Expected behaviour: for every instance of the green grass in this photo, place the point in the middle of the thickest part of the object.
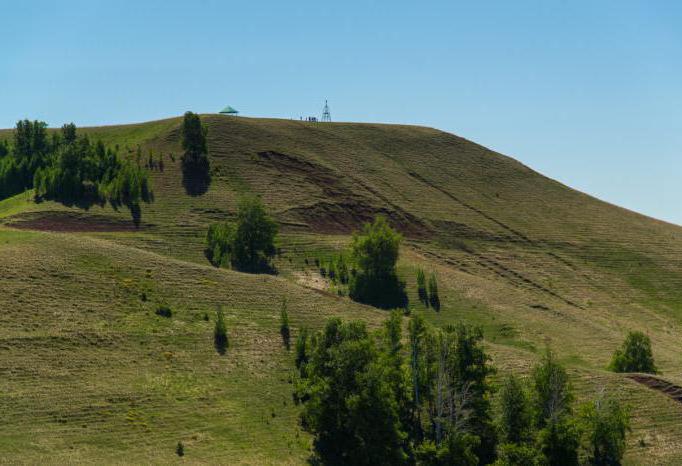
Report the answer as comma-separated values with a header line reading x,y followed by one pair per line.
x,y
91,374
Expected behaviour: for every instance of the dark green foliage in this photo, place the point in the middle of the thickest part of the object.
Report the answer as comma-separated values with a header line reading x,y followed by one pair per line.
x,y
180,449
342,270
470,370
558,442
248,244
302,350
164,311
30,152
220,333
606,423
635,355
369,400
350,408
4,148
195,165
70,169
69,133
375,253
457,449
284,325
421,287
552,391
434,298
515,415
512,454
218,243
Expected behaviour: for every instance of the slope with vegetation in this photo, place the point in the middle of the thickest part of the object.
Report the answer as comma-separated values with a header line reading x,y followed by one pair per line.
x,y
92,374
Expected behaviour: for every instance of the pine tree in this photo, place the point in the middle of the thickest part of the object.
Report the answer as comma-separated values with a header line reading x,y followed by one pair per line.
x,y
220,332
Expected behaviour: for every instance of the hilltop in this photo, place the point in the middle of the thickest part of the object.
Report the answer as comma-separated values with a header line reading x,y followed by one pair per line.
x,y
91,374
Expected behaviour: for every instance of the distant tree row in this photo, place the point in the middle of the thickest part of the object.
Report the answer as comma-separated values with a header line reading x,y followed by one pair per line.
x,y
375,399
69,168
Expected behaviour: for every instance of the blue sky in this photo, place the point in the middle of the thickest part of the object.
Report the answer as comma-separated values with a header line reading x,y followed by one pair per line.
x,y
586,92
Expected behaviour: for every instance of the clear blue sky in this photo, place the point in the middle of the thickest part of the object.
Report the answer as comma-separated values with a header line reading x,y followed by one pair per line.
x,y
586,92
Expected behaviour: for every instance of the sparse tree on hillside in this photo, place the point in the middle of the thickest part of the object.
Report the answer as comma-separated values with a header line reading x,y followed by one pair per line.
x,y
195,163
284,325
421,287
635,355
220,332
375,253
434,297
302,350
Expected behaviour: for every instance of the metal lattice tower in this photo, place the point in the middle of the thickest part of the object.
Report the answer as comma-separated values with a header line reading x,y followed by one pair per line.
x,y
326,116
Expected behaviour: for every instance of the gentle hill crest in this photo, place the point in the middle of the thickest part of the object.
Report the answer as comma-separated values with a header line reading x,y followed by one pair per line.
x,y
532,261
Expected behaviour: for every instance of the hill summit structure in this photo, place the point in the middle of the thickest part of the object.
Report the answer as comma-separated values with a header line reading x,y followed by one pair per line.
x,y
229,111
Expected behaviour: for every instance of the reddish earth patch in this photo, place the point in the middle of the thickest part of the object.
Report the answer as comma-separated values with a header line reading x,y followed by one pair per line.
x,y
71,222
349,202
660,385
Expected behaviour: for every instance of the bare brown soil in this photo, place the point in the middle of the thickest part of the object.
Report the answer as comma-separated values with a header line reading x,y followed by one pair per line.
x,y
346,208
655,383
72,222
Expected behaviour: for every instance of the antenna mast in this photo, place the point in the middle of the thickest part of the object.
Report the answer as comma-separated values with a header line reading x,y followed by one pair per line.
x,y
326,116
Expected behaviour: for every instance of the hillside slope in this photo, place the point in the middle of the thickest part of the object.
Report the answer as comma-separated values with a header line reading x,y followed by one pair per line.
x,y
532,261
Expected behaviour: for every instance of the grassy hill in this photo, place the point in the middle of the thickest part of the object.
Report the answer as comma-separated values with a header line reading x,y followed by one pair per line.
x,y
91,374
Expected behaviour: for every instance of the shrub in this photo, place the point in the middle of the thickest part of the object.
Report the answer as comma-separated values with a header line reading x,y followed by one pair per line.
x,y
375,253
302,350
342,270
220,332
635,355
434,298
284,325
421,287
180,449
218,243
164,311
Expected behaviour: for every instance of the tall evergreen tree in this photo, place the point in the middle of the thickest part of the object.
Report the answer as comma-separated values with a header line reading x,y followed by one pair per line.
x,y
195,163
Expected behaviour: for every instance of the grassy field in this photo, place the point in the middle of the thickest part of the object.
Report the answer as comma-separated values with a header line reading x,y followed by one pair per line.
x,y
91,374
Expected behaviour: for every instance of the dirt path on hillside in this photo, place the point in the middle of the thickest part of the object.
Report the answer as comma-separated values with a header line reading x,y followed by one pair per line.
x,y
660,385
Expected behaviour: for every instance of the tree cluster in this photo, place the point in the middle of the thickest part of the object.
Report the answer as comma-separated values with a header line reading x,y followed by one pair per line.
x,y
379,398
247,244
69,168
368,399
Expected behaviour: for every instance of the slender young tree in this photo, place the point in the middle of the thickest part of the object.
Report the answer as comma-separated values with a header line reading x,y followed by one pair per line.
x,y
284,325
220,339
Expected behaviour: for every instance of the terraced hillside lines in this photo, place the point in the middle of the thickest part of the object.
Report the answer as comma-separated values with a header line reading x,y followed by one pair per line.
x,y
89,373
